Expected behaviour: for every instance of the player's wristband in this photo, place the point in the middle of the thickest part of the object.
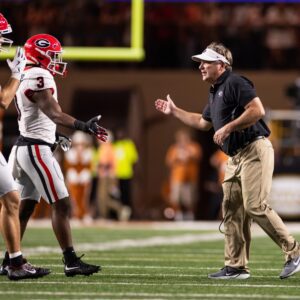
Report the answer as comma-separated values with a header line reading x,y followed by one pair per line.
x,y
16,76
79,125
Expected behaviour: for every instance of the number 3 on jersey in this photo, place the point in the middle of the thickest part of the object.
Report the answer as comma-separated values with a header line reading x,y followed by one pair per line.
x,y
40,83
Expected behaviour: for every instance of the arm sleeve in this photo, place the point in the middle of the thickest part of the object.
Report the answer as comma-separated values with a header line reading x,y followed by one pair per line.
x,y
39,81
206,113
245,91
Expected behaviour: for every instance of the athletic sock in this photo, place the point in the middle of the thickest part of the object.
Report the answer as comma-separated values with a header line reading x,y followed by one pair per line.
x,y
16,259
69,255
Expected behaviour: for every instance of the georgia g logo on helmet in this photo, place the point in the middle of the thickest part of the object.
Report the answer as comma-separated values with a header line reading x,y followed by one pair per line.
x,y
42,43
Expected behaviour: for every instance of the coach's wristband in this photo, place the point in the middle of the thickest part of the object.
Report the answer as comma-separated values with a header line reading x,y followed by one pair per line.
x,y
79,125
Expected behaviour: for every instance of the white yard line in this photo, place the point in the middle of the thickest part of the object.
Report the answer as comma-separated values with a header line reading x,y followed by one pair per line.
x,y
165,275
196,284
163,267
151,295
130,243
178,225
136,243
152,241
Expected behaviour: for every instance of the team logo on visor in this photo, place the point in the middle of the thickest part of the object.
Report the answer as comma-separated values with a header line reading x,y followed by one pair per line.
x,y
42,43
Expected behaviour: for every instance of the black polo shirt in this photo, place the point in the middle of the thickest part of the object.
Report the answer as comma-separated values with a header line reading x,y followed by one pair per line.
x,y
227,99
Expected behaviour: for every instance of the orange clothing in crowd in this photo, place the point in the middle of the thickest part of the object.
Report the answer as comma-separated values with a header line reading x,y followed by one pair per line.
x,y
218,160
78,168
183,162
107,188
106,160
183,158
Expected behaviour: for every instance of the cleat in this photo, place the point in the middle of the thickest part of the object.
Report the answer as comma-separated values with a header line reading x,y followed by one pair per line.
x,y
41,271
230,273
3,270
291,267
78,267
4,267
26,271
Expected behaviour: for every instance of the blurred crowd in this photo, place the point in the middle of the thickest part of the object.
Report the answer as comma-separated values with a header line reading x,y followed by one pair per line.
x,y
193,187
98,176
261,35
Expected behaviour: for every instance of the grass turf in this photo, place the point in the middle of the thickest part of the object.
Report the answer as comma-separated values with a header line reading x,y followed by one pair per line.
x,y
150,272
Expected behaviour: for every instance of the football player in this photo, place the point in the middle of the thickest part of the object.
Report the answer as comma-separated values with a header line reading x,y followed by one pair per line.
x,y
34,167
16,267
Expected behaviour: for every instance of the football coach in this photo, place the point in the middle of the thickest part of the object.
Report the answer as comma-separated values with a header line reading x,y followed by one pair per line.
x,y
235,112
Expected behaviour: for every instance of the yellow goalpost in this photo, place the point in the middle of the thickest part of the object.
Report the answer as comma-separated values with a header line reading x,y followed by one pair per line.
x,y
133,53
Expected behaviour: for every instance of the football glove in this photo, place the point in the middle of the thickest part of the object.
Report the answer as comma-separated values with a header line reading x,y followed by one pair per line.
x,y
63,141
18,64
93,127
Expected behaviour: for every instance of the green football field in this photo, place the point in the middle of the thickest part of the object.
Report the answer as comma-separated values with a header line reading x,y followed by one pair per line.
x,y
144,262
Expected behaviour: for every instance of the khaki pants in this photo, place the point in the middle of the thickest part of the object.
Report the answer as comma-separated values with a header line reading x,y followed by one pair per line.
x,y
246,187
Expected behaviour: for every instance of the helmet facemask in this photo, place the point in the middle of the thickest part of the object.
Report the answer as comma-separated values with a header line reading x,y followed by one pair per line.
x,y
53,61
56,64
5,43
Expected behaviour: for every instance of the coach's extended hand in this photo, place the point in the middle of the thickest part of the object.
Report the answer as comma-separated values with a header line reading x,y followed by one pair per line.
x,y
165,106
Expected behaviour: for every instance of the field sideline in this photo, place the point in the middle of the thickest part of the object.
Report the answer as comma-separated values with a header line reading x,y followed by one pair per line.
x,y
150,261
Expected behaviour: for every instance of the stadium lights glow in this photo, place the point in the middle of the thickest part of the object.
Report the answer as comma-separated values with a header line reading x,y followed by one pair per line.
x,y
133,53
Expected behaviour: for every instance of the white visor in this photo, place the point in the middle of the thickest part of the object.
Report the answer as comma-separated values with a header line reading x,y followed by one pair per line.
x,y
210,55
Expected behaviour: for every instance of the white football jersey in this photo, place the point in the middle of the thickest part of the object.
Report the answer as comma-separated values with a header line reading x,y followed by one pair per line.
x,y
33,123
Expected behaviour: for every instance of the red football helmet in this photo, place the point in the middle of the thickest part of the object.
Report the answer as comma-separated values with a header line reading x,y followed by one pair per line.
x,y
46,50
4,29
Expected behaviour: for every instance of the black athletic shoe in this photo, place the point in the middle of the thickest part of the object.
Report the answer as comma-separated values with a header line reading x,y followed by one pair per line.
x,y
78,267
26,271
230,273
